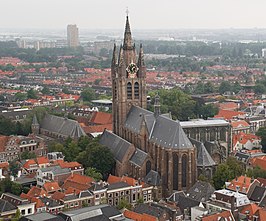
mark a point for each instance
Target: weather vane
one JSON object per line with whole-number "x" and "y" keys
{"x": 127, "y": 11}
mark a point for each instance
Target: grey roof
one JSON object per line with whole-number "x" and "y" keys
{"x": 169, "y": 134}
{"x": 186, "y": 203}
{"x": 63, "y": 126}
{"x": 117, "y": 185}
{"x": 50, "y": 203}
{"x": 85, "y": 193}
{"x": 56, "y": 170}
{"x": 258, "y": 193}
{"x": 203, "y": 156}
{"x": 88, "y": 213}
{"x": 5, "y": 206}
{"x": 97, "y": 187}
{"x": 153, "y": 178}
{"x": 175, "y": 196}
{"x": 201, "y": 191}
{"x": 116, "y": 144}
{"x": 44, "y": 216}
{"x": 139, "y": 157}
{"x": 34, "y": 120}
{"x": 204, "y": 123}
{"x": 70, "y": 197}
{"x": 162, "y": 130}
{"x": 263, "y": 201}
{"x": 148, "y": 209}
{"x": 135, "y": 117}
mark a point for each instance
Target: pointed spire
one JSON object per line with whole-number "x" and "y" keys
{"x": 141, "y": 57}
{"x": 114, "y": 60}
{"x": 127, "y": 36}
{"x": 34, "y": 120}
{"x": 157, "y": 106}
{"x": 121, "y": 56}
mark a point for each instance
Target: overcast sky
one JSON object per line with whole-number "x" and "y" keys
{"x": 144, "y": 14}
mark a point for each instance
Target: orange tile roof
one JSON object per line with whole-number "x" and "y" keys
{"x": 38, "y": 202}
{"x": 58, "y": 195}
{"x": 251, "y": 208}
{"x": 113, "y": 179}
{"x": 239, "y": 123}
{"x": 262, "y": 181}
{"x": 4, "y": 165}
{"x": 138, "y": 217}
{"x": 71, "y": 190}
{"x": 64, "y": 164}
{"x": 261, "y": 214}
{"x": 3, "y": 141}
{"x": 243, "y": 138}
{"x": 28, "y": 163}
{"x": 42, "y": 160}
{"x": 225, "y": 214}
{"x": 72, "y": 184}
{"x": 51, "y": 187}
{"x": 97, "y": 128}
{"x": 36, "y": 192}
{"x": 101, "y": 118}
{"x": 228, "y": 114}
{"x": 243, "y": 182}
{"x": 80, "y": 179}
{"x": 228, "y": 106}
{"x": 258, "y": 161}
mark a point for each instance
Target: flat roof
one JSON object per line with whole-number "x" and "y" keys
{"x": 203, "y": 123}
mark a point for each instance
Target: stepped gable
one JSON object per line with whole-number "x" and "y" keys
{"x": 63, "y": 126}
{"x": 203, "y": 158}
{"x": 118, "y": 146}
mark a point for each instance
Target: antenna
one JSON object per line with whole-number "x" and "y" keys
{"x": 127, "y": 11}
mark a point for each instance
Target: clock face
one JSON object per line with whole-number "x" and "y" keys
{"x": 132, "y": 69}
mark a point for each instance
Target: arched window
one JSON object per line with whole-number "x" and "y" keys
{"x": 175, "y": 172}
{"x": 136, "y": 90}
{"x": 129, "y": 90}
{"x": 115, "y": 91}
{"x": 184, "y": 170}
{"x": 148, "y": 167}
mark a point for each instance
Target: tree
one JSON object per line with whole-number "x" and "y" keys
{"x": 14, "y": 168}
{"x": 65, "y": 90}
{"x": 225, "y": 86}
{"x": 45, "y": 90}
{"x": 17, "y": 216}
{"x": 20, "y": 96}
{"x": 6, "y": 185}
{"x": 88, "y": 94}
{"x": 259, "y": 88}
{"x": 124, "y": 204}
{"x": 27, "y": 155}
{"x": 92, "y": 172}
{"x": 262, "y": 134}
{"x": 256, "y": 172}
{"x": 32, "y": 94}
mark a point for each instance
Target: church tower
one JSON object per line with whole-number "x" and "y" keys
{"x": 128, "y": 80}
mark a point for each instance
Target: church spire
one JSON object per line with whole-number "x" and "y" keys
{"x": 141, "y": 57}
{"x": 114, "y": 60}
{"x": 127, "y": 36}
{"x": 157, "y": 109}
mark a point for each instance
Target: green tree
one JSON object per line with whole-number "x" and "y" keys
{"x": 14, "y": 168}
{"x": 32, "y": 94}
{"x": 262, "y": 134}
{"x": 92, "y": 172}
{"x": 225, "y": 86}
{"x": 124, "y": 204}
{"x": 6, "y": 185}
{"x": 27, "y": 155}
{"x": 17, "y": 216}
{"x": 88, "y": 94}
{"x": 45, "y": 90}
{"x": 256, "y": 172}
{"x": 20, "y": 96}
{"x": 259, "y": 88}
{"x": 65, "y": 90}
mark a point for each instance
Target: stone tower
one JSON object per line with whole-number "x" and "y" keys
{"x": 128, "y": 80}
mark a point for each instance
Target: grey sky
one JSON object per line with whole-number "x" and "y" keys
{"x": 144, "y": 14}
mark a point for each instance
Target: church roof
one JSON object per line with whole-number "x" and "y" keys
{"x": 162, "y": 130}
{"x": 203, "y": 158}
{"x": 116, "y": 144}
{"x": 138, "y": 157}
{"x": 63, "y": 126}
{"x": 153, "y": 178}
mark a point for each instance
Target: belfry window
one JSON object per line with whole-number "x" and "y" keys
{"x": 115, "y": 90}
{"x": 129, "y": 90}
{"x": 184, "y": 171}
{"x": 136, "y": 90}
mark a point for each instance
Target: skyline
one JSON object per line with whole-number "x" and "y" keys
{"x": 148, "y": 14}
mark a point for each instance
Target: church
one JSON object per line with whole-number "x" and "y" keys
{"x": 147, "y": 144}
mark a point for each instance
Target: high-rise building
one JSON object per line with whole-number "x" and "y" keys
{"x": 72, "y": 36}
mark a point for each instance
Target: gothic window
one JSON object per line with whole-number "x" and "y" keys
{"x": 129, "y": 90}
{"x": 184, "y": 170}
{"x": 148, "y": 167}
{"x": 136, "y": 90}
{"x": 175, "y": 172}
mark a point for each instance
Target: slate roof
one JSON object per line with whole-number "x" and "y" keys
{"x": 175, "y": 196}
{"x": 117, "y": 185}
{"x": 99, "y": 212}
{"x": 201, "y": 191}
{"x": 153, "y": 178}
{"x": 63, "y": 126}
{"x": 148, "y": 209}
{"x": 162, "y": 130}
{"x": 50, "y": 203}
{"x": 203, "y": 156}
{"x": 56, "y": 170}
{"x": 139, "y": 157}
{"x": 44, "y": 216}
{"x": 5, "y": 206}
{"x": 116, "y": 144}
{"x": 186, "y": 203}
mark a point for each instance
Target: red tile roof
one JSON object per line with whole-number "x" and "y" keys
{"x": 251, "y": 208}
{"x": 58, "y": 195}
{"x": 36, "y": 192}
{"x": 3, "y": 141}
{"x": 71, "y": 190}
{"x": 78, "y": 181}
{"x": 96, "y": 128}
{"x": 64, "y": 164}
{"x": 101, "y": 118}
{"x": 228, "y": 106}
{"x": 139, "y": 217}
{"x": 4, "y": 165}
{"x": 28, "y": 163}
{"x": 243, "y": 138}
{"x": 243, "y": 182}
{"x": 258, "y": 161}
{"x": 228, "y": 114}
{"x": 115, "y": 179}
{"x": 72, "y": 184}
{"x": 225, "y": 214}
{"x": 51, "y": 187}
{"x": 42, "y": 160}
{"x": 239, "y": 124}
